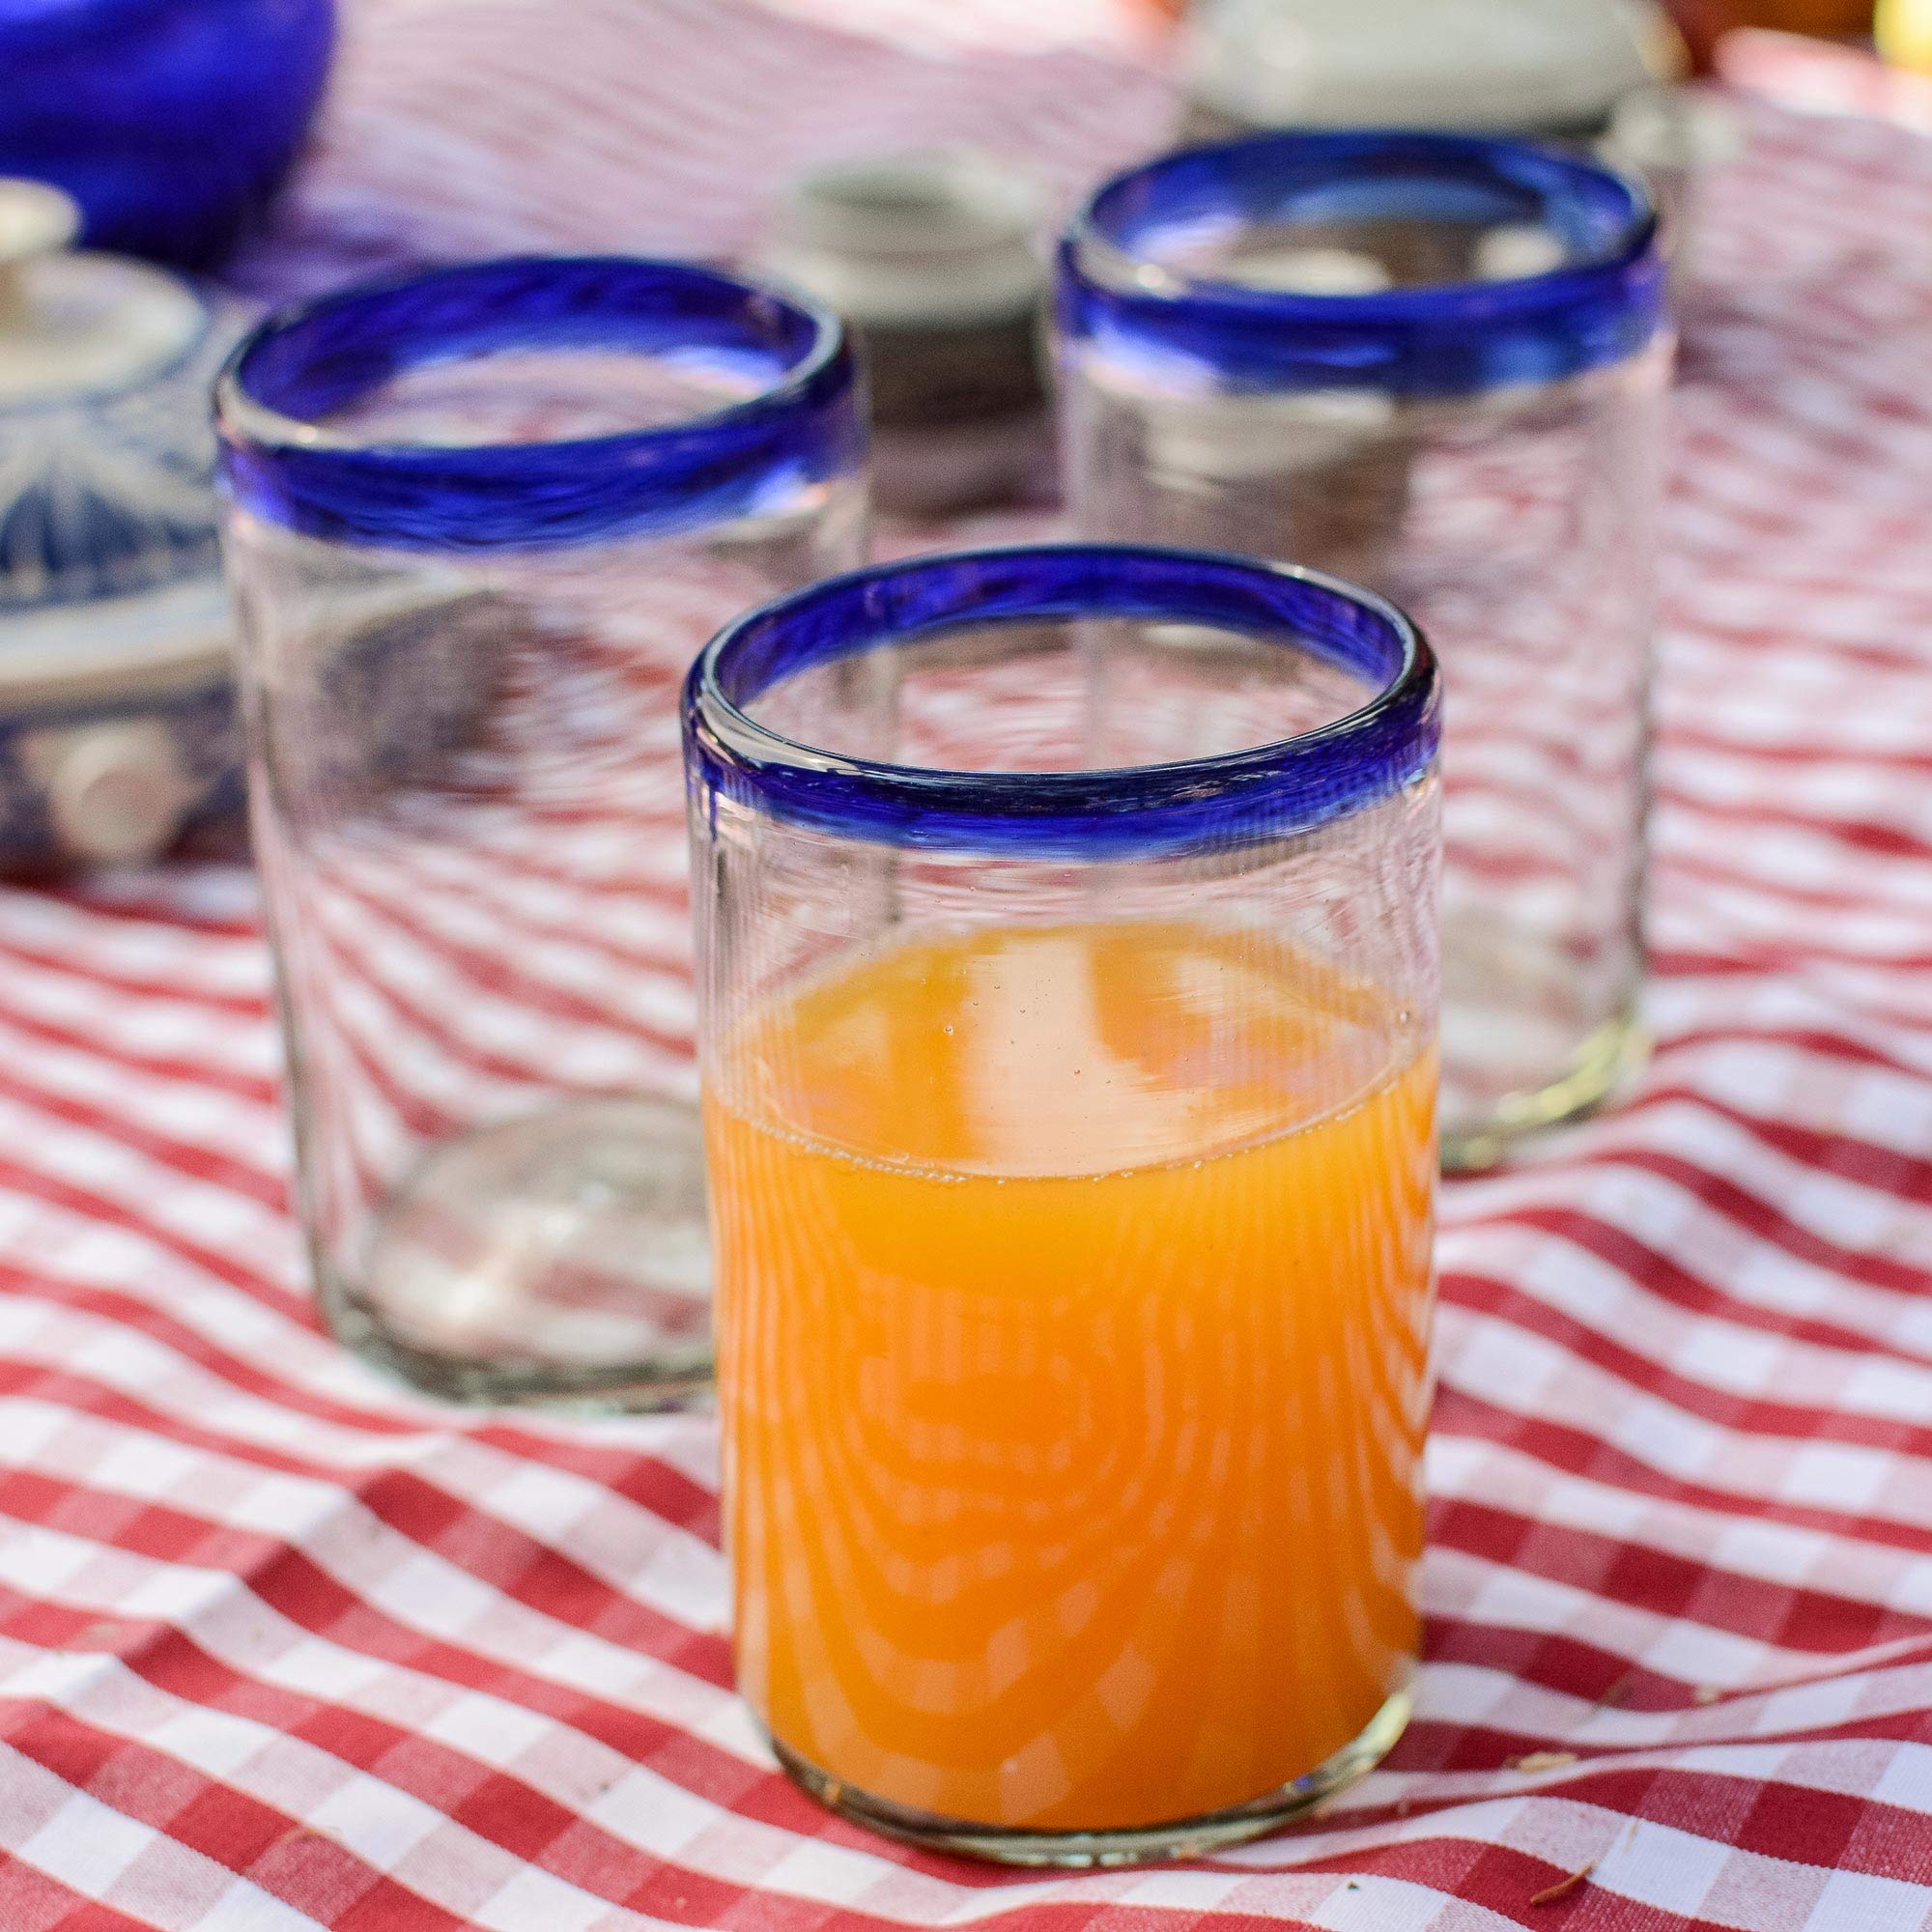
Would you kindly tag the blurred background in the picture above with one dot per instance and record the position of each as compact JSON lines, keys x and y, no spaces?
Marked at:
{"x":905,"y":159}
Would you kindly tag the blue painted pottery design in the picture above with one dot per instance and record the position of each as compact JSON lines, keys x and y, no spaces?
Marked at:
{"x":116,"y":721}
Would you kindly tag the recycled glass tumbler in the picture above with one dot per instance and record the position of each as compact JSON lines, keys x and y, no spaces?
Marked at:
{"x":1439,"y":365}
{"x":480,"y":522}
{"x":1067,"y":994}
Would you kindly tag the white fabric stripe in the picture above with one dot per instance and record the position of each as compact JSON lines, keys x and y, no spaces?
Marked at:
{"x":96,"y":1851}
{"x":378,"y":1820}
{"x":1723,"y":1357}
{"x":670,"y":1571}
{"x":1646,"y":1862}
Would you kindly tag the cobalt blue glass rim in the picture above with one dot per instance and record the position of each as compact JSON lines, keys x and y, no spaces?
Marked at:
{"x":1603,"y":305}
{"x":280,"y":460}
{"x":1264,"y":792}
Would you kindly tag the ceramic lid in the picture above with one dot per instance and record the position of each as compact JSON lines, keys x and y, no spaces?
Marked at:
{"x":71,"y":324}
{"x":928,"y":236}
{"x":1461,"y":64}
{"x":109,"y":571}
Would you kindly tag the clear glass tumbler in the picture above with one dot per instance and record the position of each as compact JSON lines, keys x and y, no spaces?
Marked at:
{"x":1067,"y":993}
{"x":1437,"y":364}
{"x":480,"y":522}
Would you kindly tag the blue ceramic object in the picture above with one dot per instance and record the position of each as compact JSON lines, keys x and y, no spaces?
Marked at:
{"x":1271,"y":792}
{"x":110,"y":780}
{"x":1603,"y":304}
{"x":170,"y":122}
{"x":116,"y":717}
{"x":107,"y":492}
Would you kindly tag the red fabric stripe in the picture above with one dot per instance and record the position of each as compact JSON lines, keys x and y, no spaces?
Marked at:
{"x":1763,"y":1415}
{"x":1581,"y":1454}
{"x":310,"y":1871}
{"x":1790,"y":882}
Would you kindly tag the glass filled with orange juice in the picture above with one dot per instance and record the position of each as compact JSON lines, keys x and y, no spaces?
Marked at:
{"x":1068,"y":989}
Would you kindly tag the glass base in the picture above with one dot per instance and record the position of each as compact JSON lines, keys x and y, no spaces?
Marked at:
{"x":1142,"y":1844}
{"x":558,"y":1259}
{"x":1609,"y":1060}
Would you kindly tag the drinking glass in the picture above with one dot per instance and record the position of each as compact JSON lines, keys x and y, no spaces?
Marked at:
{"x":480,"y":522}
{"x":1439,"y":365}
{"x":1067,"y":993}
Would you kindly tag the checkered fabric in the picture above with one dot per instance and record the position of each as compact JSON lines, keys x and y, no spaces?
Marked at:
{"x":282,"y":1647}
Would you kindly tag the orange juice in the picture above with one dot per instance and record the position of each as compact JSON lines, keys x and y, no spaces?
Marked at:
{"x":1073,"y":1290}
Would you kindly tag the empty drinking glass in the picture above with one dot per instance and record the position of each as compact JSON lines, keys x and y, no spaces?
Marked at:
{"x":1436,"y":363}
{"x":480,"y":522}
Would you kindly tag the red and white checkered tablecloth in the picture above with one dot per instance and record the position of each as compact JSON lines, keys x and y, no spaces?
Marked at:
{"x":281,"y":1647}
